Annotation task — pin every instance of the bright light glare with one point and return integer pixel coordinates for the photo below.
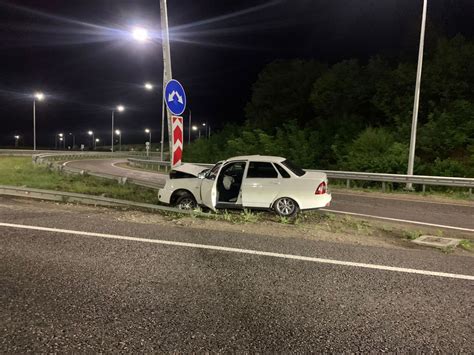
(61, 135)
(17, 137)
(147, 130)
(204, 124)
(195, 128)
(120, 108)
(140, 34)
(39, 96)
(90, 133)
(148, 86)
(117, 132)
(97, 140)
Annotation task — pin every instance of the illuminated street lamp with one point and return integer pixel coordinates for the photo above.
(140, 34)
(119, 108)
(97, 140)
(90, 133)
(196, 128)
(60, 138)
(119, 134)
(17, 138)
(40, 97)
(147, 130)
(148, 86)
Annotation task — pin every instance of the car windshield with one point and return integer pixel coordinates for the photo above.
(294, 168)
(211, 174)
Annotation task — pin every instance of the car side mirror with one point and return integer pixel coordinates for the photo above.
(202, 174)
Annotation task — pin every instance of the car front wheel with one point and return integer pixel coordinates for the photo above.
(186, 202)
(285, 207)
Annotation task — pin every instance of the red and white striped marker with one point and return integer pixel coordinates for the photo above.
(177, 140)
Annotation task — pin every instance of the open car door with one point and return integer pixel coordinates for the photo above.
(209, 187)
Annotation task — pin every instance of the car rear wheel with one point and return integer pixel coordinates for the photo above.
(186, 202)
(285, 207)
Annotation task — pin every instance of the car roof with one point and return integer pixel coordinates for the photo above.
(266, 158)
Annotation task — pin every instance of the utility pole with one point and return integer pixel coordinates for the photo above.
(189, 133)
(411, 155)
(167, 74)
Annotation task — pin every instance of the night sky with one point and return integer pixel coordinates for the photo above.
(80, 54)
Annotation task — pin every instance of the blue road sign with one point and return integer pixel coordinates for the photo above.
(175, 97)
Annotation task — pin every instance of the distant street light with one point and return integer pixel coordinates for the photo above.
(140, 34)
(149, 86)
(196, 128)
(40, 97)
(60, 138)
(90, 133)
(147, 130)
(17, 138)
(119, 108)
(97, 140)
(119, 134)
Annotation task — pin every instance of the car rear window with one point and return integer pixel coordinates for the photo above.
(294, 168)
(261, 170)
(282, 171)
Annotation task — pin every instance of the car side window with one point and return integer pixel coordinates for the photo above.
(284, 174)
(261, 170)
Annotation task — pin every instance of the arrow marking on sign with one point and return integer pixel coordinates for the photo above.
(173, 94)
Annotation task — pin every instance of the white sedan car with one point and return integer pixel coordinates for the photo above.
(254, 182)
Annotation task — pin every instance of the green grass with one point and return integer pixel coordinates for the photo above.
(20, 171)
(466, 245)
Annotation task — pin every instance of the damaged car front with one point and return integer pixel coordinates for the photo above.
(183, 188)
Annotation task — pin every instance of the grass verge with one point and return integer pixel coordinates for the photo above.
(20, 171)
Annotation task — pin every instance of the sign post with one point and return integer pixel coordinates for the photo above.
(177, 141)
(175, 99)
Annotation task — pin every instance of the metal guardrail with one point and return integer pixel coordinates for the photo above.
(350, 176)
(53, 162)
(61, 196)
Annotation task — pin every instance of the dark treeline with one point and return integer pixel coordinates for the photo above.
(357, 116)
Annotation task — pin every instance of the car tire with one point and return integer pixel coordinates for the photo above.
(186, 202)
(286, 207)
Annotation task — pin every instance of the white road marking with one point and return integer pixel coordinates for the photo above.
(399, 198)
(399, 220)
(244, 251)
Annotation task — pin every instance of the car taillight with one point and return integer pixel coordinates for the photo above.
(322, 189)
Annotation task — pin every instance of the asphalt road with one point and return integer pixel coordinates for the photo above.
(67, 291)
(459, 215)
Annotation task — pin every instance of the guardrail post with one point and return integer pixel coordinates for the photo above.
(424, 188)
(470, 192)
(348, 183)
(383, 186)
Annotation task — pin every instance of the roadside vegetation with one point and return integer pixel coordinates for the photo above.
(20, 171)
(357, 116)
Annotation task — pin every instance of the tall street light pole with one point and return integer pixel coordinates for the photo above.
(189, 133)
(167, 74)
(119, 134)
(119, 108)
(37, 96)
(93, 139)
(73, 140)
(411, 155)
(147, 130)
